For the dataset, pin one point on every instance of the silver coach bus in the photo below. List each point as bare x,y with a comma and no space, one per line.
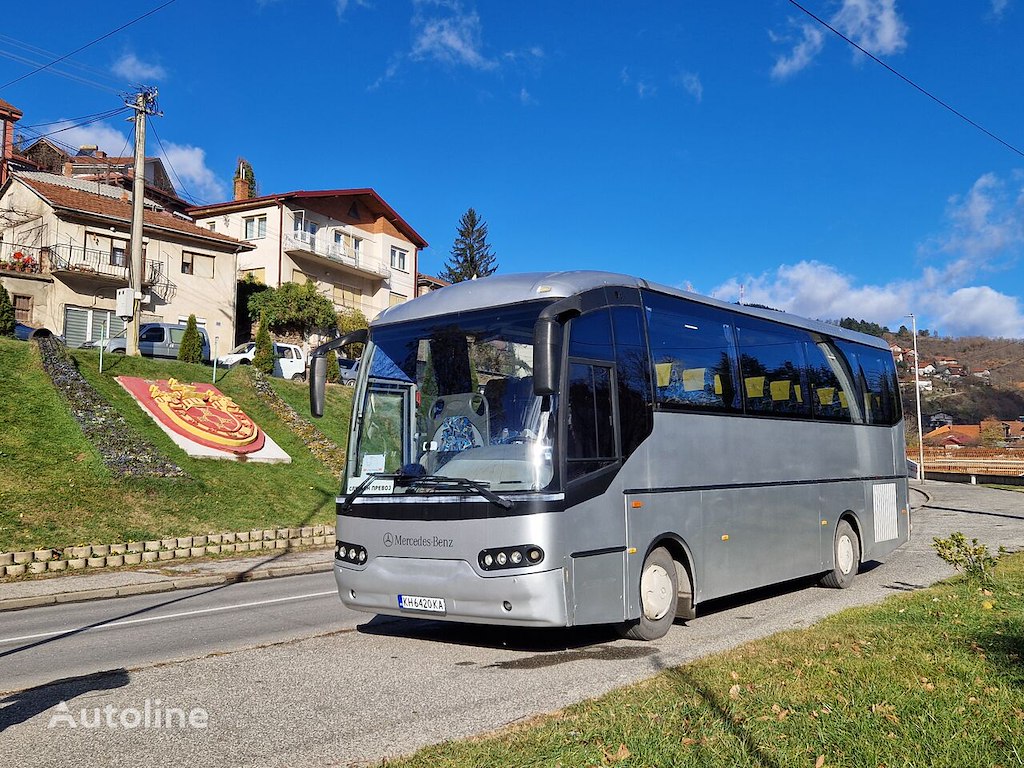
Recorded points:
589,448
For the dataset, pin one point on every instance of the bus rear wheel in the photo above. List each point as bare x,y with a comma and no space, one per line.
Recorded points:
659,597
846,551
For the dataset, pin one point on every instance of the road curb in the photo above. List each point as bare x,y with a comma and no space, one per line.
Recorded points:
166,585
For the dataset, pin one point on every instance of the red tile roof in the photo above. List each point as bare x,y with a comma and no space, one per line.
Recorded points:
121,210
254,202
6,106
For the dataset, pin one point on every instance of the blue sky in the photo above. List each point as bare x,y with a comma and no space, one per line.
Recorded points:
722,147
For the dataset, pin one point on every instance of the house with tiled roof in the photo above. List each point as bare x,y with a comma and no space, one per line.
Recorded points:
358,251
90,163
65,249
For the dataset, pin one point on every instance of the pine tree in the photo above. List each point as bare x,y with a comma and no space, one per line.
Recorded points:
6,313
471,255
263,360
191,349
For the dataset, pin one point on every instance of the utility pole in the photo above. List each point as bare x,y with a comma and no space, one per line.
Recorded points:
144,104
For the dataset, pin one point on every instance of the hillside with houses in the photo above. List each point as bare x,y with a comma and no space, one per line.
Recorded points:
972,389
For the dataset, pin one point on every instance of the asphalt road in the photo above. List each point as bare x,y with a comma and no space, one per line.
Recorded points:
287,676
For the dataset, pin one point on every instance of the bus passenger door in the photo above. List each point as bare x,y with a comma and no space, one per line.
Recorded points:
596,524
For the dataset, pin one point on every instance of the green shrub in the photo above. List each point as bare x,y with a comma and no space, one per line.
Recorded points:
333,369
6,313
973,559
263,360
191,349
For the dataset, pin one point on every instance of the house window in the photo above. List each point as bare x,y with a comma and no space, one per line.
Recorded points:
398,258
118,257
212,226
259,274
255,227
300,277
197,264
22,309
347,296
200,321
396,298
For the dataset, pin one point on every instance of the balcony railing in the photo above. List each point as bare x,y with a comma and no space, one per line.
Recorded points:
305,242
87,261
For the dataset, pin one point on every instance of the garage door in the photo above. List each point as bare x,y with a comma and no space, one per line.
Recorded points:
82,325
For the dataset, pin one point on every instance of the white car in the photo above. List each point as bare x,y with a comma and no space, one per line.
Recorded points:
289,359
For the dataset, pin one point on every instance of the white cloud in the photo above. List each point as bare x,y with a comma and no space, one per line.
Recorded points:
998,7
341,6
131,68
644,89
690,82
108,139
448,34
875,25
812,40
981,311
984,232
186,165
526,99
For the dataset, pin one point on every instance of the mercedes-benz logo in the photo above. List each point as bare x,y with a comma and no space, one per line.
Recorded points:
388,541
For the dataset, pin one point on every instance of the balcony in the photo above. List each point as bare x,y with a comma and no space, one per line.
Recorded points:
305,244
78,261
87,262
24,259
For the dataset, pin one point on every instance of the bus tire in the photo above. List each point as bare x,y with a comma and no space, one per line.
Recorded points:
659,597
846,558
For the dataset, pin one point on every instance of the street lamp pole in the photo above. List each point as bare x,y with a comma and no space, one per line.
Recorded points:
917,394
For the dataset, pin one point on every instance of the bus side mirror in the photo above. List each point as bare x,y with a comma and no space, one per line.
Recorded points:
547,344
547,353
318,367
317,385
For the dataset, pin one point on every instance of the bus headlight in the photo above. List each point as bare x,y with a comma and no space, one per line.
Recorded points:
349,553
510,557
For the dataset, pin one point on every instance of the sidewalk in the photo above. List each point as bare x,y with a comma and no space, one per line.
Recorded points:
198,572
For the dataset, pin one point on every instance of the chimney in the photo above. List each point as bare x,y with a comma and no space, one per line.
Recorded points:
69,169
241,184
9,115
99,153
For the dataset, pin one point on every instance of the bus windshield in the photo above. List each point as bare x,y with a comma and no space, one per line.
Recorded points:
450,399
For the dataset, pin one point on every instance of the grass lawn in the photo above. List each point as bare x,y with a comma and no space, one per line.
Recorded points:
55,491
932,678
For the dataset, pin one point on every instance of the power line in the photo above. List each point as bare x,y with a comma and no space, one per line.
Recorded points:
908,81
87,45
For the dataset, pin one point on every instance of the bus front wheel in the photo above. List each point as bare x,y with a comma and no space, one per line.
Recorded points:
846,558
659,597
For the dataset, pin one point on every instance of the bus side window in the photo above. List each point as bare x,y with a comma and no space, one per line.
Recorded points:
830,400
772,366
590,429
633,372
875,372
694,359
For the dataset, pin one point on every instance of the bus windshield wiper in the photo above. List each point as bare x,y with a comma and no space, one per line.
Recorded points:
439,482
434,482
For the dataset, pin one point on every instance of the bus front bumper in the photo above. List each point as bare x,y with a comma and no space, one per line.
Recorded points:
525,599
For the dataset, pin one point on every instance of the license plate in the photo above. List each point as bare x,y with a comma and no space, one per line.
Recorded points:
415,603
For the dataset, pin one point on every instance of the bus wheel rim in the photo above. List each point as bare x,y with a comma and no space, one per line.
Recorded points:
656,592
844,554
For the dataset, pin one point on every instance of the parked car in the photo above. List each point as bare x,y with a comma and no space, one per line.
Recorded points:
289,359
349,371
159,340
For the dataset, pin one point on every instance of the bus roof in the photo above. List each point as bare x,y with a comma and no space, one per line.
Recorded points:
503,290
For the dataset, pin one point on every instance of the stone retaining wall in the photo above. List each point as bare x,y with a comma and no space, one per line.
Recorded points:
91,557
